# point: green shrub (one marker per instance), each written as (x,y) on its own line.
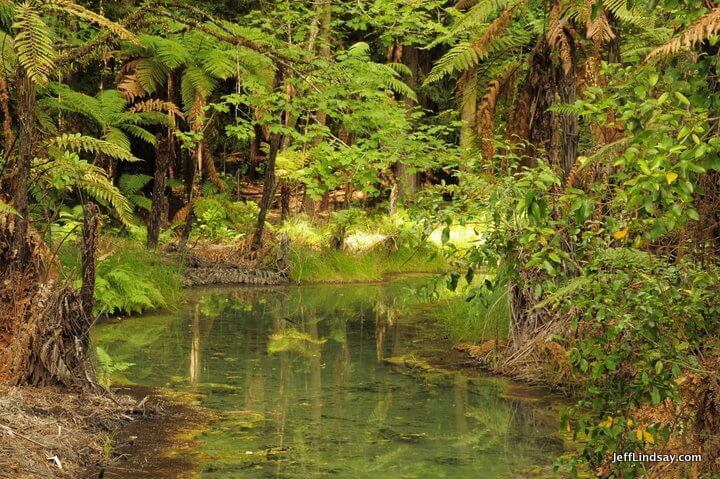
(221,218)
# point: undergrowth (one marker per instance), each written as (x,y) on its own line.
(129,278)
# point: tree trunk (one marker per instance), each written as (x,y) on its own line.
(91,226)
(27,147)
(468,112)
(285,196)
(162,159)
(268,191)
(408,183)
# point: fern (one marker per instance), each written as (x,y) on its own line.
(703,28)
(69,172)
(7,209)
(33,44)
(71,8)
(131,186)
(77,142)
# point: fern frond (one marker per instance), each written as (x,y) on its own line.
(71,172)
(195,82)
(130,184)
(151,73)
(33,45)
(459,58)
(705,27)
(219,63)
(7,15)
(7,209)
(140,133)
(77,142)
(64,98)
(466,55)
(400,68)
(78,11)
(117,137)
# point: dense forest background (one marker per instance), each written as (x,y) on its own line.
(575,142)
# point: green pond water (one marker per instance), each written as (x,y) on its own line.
(299,382)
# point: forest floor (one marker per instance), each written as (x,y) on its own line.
(53,433)
(48,432)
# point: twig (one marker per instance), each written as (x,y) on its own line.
(13,433)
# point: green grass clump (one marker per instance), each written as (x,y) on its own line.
(473,321)
(335,266)
(131,279)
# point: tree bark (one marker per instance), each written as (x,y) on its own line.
(268,191)
(468,113)
(27,147)
(285,196)
(91,226)
(162,159)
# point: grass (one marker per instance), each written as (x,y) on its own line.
(472,321)
(335,266)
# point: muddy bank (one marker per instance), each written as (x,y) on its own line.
(162,444)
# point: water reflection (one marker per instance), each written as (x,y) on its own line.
(298,380)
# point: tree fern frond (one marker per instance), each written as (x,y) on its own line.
(7,15)
(7,53)
(111,102)
(117,137)
(77,142)
(195,82)
(78,11)
(131,88)
(72,172)
(157,105)
(219,63)
(459,58)
(66,99)
(466,55)
(130,184)
(171,53)
(33,45)
(400,68)
(151,73)
(140,133)
(703,28)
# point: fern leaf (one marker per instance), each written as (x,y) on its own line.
(33,45)
(130,184)
(77,142)
(705,27)
(7,209)
(72,8)
(72,172)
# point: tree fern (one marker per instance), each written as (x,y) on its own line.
(131,186)
(70,172)
(72,8)
(33,43)
(703,28)
(77,142)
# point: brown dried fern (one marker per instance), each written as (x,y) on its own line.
(704,28)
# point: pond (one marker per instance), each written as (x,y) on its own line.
(300,385)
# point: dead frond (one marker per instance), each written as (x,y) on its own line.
(704,28)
